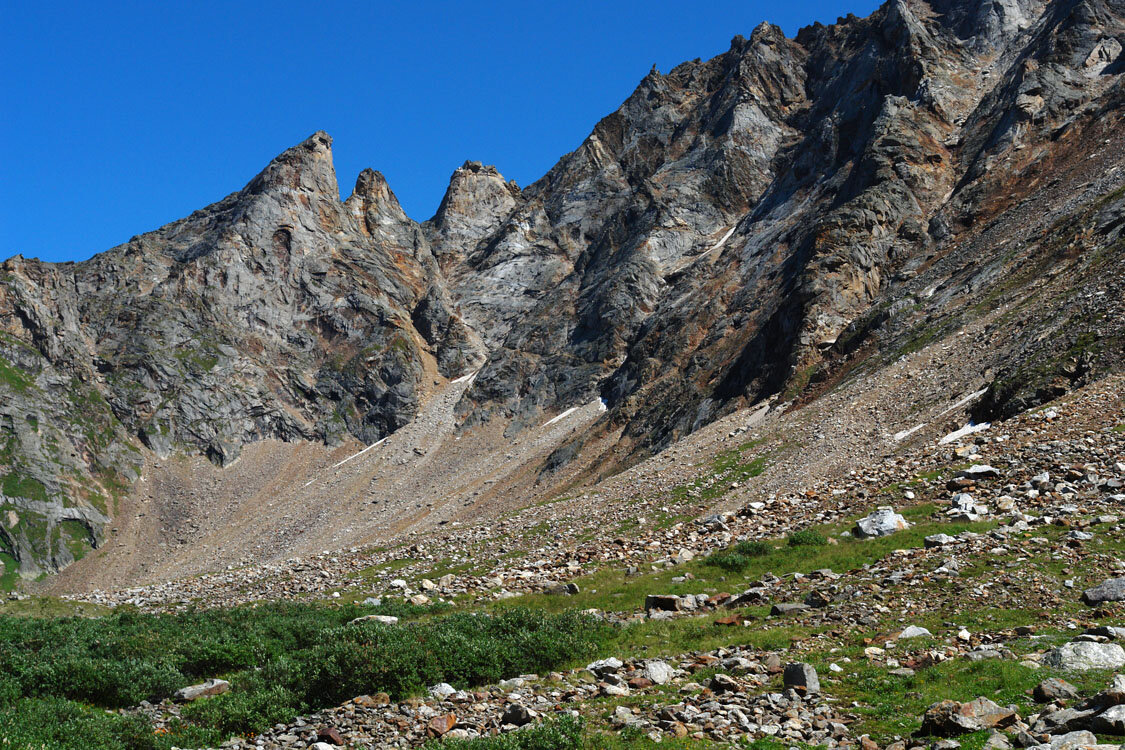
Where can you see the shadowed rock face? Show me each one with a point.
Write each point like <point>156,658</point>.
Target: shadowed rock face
<point>732,231</point>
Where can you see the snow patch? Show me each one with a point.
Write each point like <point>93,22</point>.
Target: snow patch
<point>463,378</point>
<point>968,429</point>
<point>723,241</point>
<point>907,433</point>
<point>564,415</point>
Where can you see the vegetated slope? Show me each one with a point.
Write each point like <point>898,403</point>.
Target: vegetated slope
<point>739,228</point>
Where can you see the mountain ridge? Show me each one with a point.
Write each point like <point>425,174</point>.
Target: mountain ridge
<point>740,229</point>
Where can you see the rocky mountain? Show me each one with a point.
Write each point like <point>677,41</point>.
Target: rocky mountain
<point>757,226</point>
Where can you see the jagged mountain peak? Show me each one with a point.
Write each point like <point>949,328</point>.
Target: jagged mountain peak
<point>307,166</point>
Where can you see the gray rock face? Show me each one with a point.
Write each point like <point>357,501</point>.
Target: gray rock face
<point>1081,656</point>
<point>738,228</point>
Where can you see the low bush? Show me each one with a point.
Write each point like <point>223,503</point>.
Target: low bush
<point>282,660</point>
<point>807,538</point>
<point>740,556</point>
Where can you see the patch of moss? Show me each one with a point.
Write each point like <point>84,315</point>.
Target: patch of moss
<point>20,485</point>
<point>13,377</point>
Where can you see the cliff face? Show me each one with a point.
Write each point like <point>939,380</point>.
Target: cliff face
<point>739,228</point>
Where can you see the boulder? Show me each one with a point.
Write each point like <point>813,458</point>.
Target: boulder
<point>603,667</point>
<point>724,683</point>
<point>950,718</point>
<point>1053,689</point>
<point>913,631</point>
<point>1110,721</point>
<point>330,735</point>
<point>202,690</point>
<point>440,725</point>
<point>1080,656</point>
<point>516,715</point>
<point>442,690</point>
<point>979,471</point>
<point>663,602</point>
<point>384,619</point>
<point>1112,590</point>
<point>802,678</point>
<point>789,608</point>
<point>658,671</point>
<point>882,522</point>
<point>817,599</point>
<point>1070,741</point>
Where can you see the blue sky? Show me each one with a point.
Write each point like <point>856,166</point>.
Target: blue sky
<point>120,117</point>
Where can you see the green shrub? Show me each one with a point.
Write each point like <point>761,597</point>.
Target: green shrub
<point>64,725</point>
<point>282,660</point>
<point>807,538</point>
<point>740,556</point>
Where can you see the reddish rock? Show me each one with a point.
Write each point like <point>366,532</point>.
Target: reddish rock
<point>331,735</point>
<point>439,725</point>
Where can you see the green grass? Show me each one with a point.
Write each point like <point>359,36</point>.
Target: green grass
<point>20,485</point>
<point>1119,428</point>
<point>11,574</point>
<point>59,724</point>
<point>282,659</point>
<point>891,705</point>
<point>726,469</point>
<point>13,377</point>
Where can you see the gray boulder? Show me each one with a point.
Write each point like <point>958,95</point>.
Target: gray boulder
<point>202,690</point>
<point>1053,689</point>
<point>882,522</point>
<point>802,678</point>
<point>658,671</point>
<point>1112,590</point>
<point>1081,656</point>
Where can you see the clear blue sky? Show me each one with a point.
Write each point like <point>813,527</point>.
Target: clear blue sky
<point>119,117</point>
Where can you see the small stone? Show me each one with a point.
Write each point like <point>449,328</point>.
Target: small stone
<point>913,631</point>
